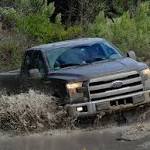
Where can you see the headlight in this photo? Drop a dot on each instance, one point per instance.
(74, 85)
(76, 92)
(146, 73)
(73, 88)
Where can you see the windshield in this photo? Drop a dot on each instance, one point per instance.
(81, 55)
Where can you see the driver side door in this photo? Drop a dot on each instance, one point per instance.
(33, 61)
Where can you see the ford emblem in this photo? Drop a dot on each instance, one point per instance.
(117, 84)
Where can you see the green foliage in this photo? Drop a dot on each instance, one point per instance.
(100, 28)
(12, 47)
(39, 28)
(10, 55)
(30, 6)
(9, 17)
(7, 3)
(133, 33)
(127, 33)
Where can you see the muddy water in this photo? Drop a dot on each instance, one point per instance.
(116, 138)
(34, 112)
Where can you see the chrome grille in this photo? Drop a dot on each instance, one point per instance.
(102, 87)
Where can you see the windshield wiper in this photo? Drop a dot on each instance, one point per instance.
(69, 65)
(96, 59)
(73, 64)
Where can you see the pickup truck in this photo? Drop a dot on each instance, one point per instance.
(87, 75)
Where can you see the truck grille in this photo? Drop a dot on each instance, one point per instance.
(108, 87)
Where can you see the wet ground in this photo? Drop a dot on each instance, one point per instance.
(134, 137)
(127, 130)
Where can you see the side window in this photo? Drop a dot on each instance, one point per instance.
(34, 60)
(27, 64)
(38, 62)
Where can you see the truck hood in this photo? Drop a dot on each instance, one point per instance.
(86, 72)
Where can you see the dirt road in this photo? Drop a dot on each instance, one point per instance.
(135, 137)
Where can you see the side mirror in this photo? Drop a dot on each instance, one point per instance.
(132, 55)
(35, 73)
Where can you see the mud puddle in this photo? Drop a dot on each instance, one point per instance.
(115, 138)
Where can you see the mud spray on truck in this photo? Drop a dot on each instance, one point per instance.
(87, 75)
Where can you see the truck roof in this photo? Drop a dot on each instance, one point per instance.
(67, 43)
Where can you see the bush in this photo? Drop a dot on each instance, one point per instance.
(9, 18)
(12, 47)
(29, 6)
(7, 3)
(127, 33)
(38, 27)
(10, 55)
(100, 28)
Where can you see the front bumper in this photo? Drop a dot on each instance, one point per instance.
(94, 107)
